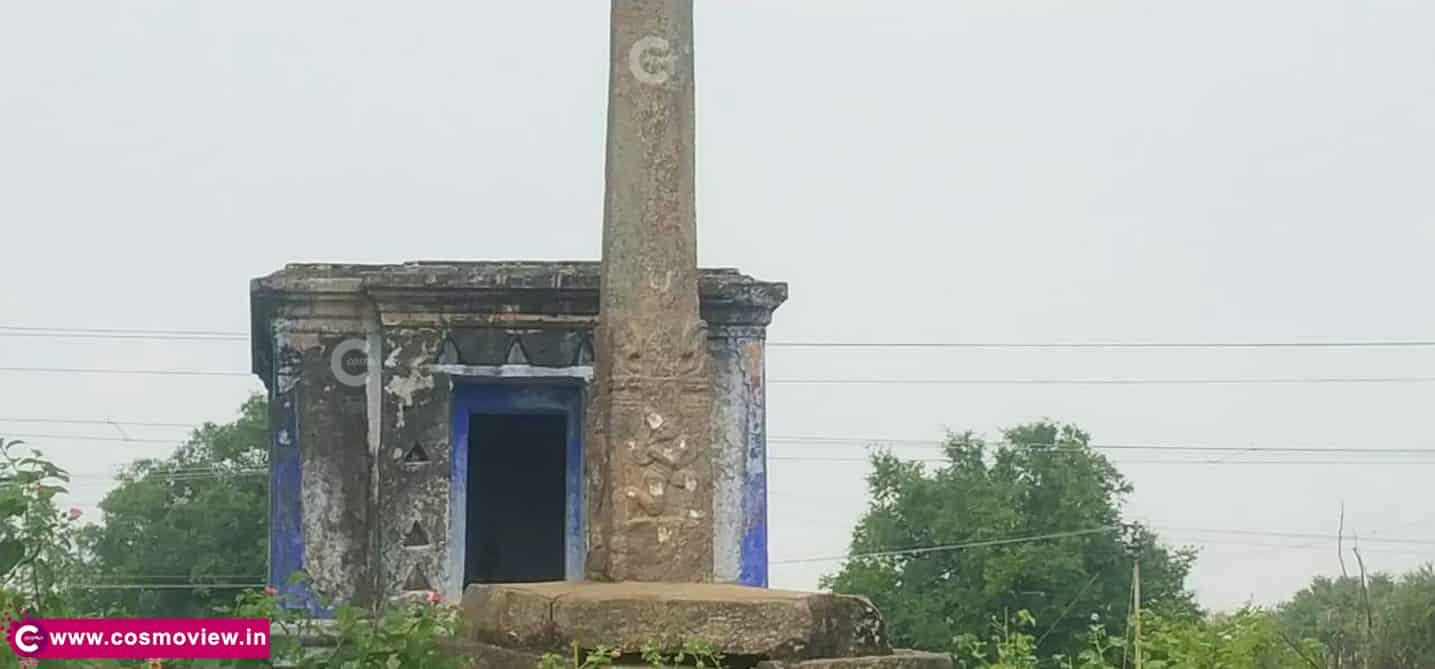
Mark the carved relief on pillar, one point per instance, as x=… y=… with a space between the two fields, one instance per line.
x=598 y=481
x=659 y=468
x=663 y=353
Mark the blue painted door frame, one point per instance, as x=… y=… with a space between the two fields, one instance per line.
x=561 y=397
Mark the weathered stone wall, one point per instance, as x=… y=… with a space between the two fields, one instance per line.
x=739 y=454
x=414 y=464
x=322 y=509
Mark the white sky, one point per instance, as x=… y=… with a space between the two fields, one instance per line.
x=979 y=171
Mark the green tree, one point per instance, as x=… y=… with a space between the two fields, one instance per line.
x=1332 y=611
x=1249 y=637
x=196 y=517
x=1409 y=619
x=1397 y=630
x=1043 y=481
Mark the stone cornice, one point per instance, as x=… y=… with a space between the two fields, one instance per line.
x=518 y=294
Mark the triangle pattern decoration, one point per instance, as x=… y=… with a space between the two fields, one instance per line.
x=515 y=354
x=417 y=582
x=417 y=455
x=417 y=537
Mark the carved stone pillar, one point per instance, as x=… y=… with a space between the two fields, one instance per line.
x=649 y=446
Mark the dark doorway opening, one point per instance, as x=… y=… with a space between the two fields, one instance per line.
x=516 y=498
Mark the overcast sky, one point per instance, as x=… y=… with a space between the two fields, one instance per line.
x=920 y=171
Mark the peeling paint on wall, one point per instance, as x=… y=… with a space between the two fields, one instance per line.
x=414 y=378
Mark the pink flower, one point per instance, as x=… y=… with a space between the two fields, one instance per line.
x=434 y=597
x=271 y=591
x=75 y=513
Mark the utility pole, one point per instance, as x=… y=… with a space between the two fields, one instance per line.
x=1136 y=597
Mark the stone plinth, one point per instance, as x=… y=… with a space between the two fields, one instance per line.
x=736 y=620
x=512 y=626
x=899 y=659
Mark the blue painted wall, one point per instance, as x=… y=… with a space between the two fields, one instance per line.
x=525 y=397
x=286 y=507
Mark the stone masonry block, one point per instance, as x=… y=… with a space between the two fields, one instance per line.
x=899 y=659
x=736 y=620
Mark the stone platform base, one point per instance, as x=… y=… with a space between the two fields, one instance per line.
x=510 y=626
x=899 y=659
x=486 y=656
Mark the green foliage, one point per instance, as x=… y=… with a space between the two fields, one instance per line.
x=1407 y=620
x=411 y=633
x=1250 y=637
x=1047 y=481
x=1247 y=639
x=1010 y=646
x=1400 y=628
x=198 y=516
x=1013 y=646
x=37 y=553
x=693 y=653
x=594 y=658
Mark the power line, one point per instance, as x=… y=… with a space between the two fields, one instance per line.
x=161 y=478
x=1044 y=448
x=869 y=381
x=82 y=437
x=953 y=547
x=1148 y=462
x=1288 y=535
x=1068 y=448
x=97 y=421
x=1324 y=545
x=237 y=335
x=136 y=372
x=1020 y=540
x=1075 y=448
x=85 y=335
x=170 y=586
x=1067 y=609
x=1047 y=449
x=127 y=331
x=180 y=474
x=1395 y=343
x=1325 y=542
x=1111 y=382
x=187 y=577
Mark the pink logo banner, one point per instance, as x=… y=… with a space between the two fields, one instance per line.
x=140 y=638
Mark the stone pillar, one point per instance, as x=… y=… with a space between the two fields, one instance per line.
x=649 y=459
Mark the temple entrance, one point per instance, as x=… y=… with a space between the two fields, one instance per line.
x=517 y=498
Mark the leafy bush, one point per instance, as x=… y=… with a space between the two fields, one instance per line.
x=692 y=654
x=1247 y=639
x=37 y=546
x=409 y=633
